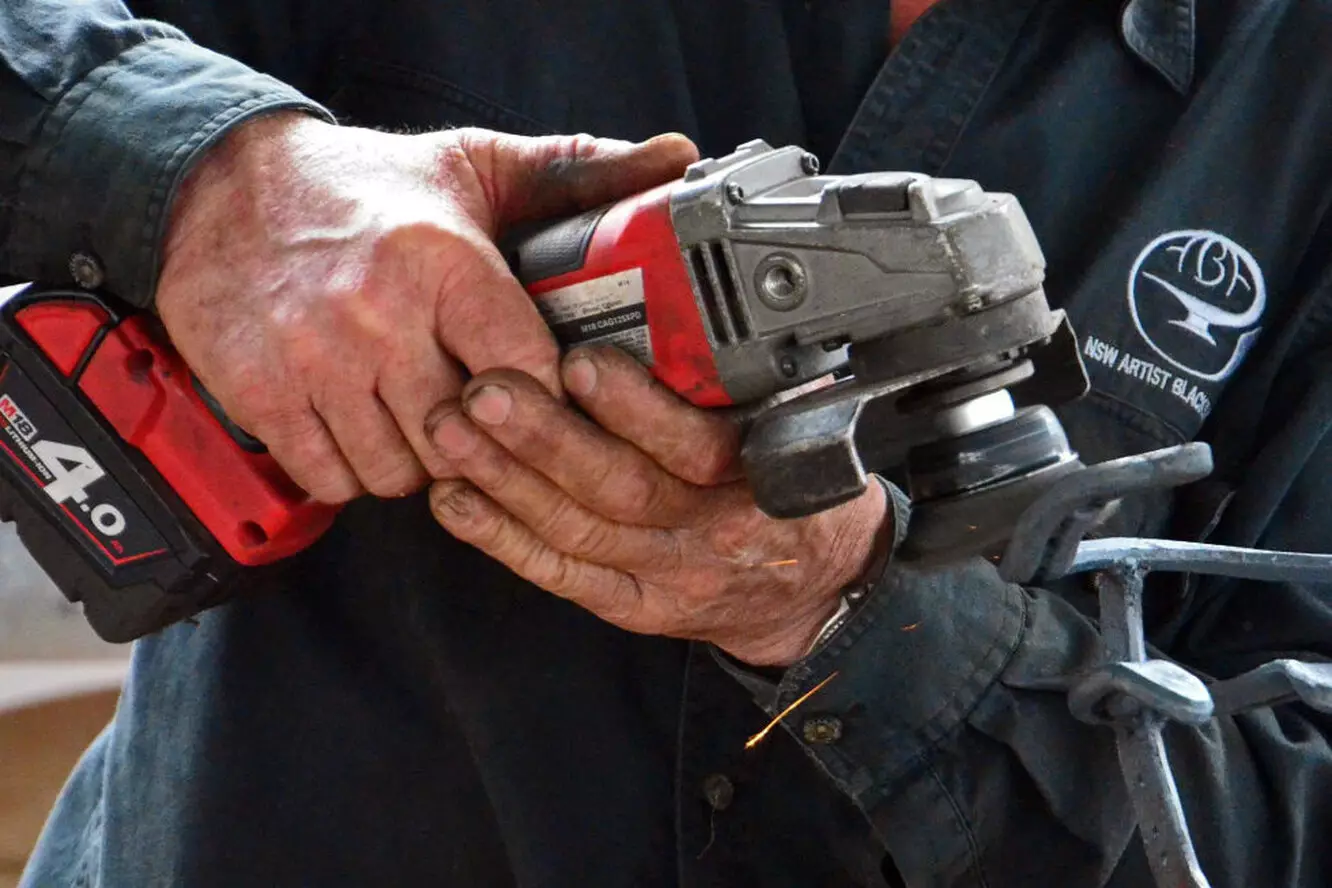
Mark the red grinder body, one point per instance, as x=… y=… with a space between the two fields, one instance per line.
x=618 y=275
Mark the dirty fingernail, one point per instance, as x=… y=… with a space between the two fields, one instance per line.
x=490 y=405
x=580 y=376
x=452 y=501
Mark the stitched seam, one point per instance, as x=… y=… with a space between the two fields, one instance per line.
x=890 y=87
x=973 y=846
x=60 y=118
x=95 y=83
x=1185 y=38
x=831 y=757
x=1137 y=417
x=1000 y=53
x=932 y=731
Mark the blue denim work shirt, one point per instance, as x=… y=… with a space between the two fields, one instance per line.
x=406 y=712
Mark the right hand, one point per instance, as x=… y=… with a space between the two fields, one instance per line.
x=330 y=285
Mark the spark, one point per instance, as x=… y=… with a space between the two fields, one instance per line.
x=787 y=563
x=912 y=628
x=761 y=735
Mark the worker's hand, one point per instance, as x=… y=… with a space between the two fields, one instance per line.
x=641 y=516
x=329 y=285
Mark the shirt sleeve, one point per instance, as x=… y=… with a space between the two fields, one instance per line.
x=955 y=738
x=101 y=117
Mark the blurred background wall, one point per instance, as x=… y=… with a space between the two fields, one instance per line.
x=58 y=689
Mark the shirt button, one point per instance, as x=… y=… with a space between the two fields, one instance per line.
x=822 y=729
x=719 y=791
x=86 y=271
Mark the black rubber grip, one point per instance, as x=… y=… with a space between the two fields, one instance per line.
x=247 y=442
x=552 y=249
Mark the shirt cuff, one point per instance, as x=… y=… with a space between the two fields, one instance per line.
x=113 y=152
x=910 y=666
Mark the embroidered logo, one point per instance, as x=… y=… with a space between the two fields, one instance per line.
x=1196 y=298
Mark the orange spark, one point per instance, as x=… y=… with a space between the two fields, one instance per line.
x=761 y=735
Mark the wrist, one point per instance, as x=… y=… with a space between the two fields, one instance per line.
x=259 y=145
x=855 y=577
x=226 y=182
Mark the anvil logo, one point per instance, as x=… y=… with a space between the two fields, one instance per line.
x=1196 y=298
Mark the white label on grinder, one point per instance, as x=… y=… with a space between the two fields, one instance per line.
x=607 y=309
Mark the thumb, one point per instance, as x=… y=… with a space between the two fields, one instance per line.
x=534 y=178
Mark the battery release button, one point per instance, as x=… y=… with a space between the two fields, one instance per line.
x=63 y=330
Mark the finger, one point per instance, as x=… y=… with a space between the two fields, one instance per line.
x=602 y=472
x=474 y=518
x=535 y=178
x=303 y=446
x=486 y=319
x=420 y=377
x=619 y=393
x=553 y=516
x=372 y=444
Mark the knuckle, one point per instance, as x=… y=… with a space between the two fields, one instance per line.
x=708 y=462
x=672 y=558
x=631 y=493
x=464 y=273
x=363 y=316
x=560 y=572
x=732 y=538
x=391 y=475
x=306 y=357
x=586 y=537
x=467 y=159
x=323 y=478
x=334 y=489
x=457 y=146
x=402 y=245
x=624 y=603
x=463 y=144
x=284 y=424
x=544 y=351
x=494 y=469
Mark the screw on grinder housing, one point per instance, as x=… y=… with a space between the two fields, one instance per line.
x=917 y=300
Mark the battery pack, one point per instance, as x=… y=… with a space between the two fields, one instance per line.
x=135 y=498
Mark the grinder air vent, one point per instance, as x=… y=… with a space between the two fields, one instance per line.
x=716 y=288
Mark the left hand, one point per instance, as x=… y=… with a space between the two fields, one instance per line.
x=642 y=516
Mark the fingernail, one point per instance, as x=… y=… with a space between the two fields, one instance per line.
x=663 y=137
x=490 y=405
x=452 y=501
x=454 y=436
x=580 y=376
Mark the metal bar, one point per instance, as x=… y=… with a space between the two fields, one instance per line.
x=1165 y=834
x=1027 y=555
x=1200 y=558
x=1120 y=592
x=1142 y=754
